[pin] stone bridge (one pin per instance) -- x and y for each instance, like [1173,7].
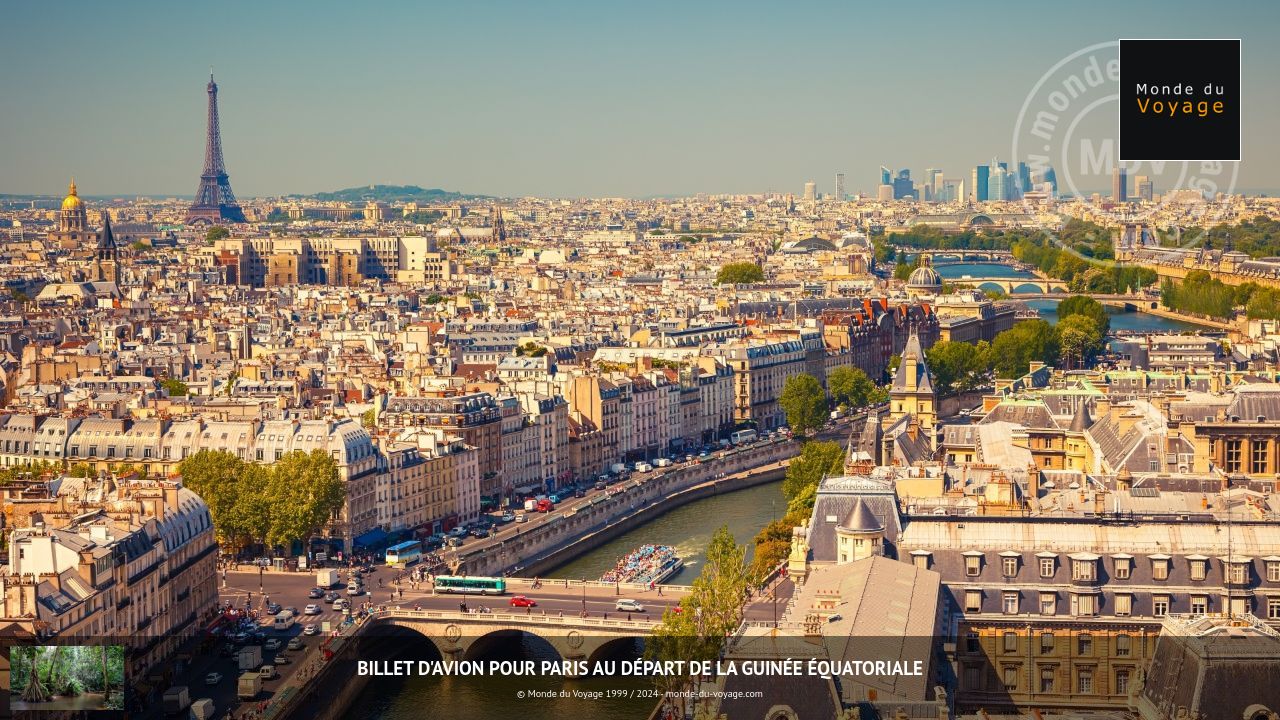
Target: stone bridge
[1014,286]
[465,636]
[940,257]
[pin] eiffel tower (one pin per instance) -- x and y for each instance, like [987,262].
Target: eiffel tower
[214,200]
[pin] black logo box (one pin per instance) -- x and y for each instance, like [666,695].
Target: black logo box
[1180,137]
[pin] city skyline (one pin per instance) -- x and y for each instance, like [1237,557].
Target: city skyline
[566,101]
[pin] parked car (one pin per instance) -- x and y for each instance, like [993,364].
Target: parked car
[508,517]
[522,601]
[628,605]
[213,678]
[520,518]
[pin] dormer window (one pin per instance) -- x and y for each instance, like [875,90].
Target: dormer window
[1199,566]
[1084,567]
[1160,567]
[1009,564]
[972,563]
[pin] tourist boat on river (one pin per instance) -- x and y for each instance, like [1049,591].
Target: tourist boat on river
[646,564]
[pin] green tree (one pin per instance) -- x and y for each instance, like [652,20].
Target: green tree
[175,387]
[815,461]
[369,419]
[804,402]
[215,233]
[958,365]
[710,613]
[223,481]
[851,387]
[1080,339]
[742,273]
[434,299]
[1015,348]
[1088,307]
[304,492]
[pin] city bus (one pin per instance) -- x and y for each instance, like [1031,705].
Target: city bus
[471,585]
[743,436]
[406,553]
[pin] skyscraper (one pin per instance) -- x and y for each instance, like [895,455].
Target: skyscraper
[1143,188]
[1119,185]
[1051,177]
[998,184]
[839,186]
[886,177]
[902,185]
[810,191]
[1024,178]
[981,178]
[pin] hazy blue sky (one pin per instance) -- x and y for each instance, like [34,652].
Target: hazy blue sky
[558,98]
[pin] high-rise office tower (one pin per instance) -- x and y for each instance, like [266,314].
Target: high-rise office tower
[980,181]
[839,186]
[1119,185]
[1051,177]
[810,191]
[938,183]
[998,184]
[1024,178]
[1143,188]
[886,177]
[902,185]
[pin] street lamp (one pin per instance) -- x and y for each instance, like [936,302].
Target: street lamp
[584,597]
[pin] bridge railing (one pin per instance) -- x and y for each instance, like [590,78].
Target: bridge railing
[513,618]
[513,582]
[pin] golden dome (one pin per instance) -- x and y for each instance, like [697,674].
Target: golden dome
[72,201]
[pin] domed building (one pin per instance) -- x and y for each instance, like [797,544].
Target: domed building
[924,280]
[73,223]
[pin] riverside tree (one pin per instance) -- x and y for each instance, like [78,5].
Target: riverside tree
[274,504]
[804,402]
[708,615]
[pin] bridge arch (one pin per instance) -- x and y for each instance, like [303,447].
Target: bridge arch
[509,642]
[623,648]
[1026,287]
[992,285]
[388,641]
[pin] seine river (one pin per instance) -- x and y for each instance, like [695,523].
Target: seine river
[688,528]
[1121,319]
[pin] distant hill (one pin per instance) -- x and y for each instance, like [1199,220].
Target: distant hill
[393,193]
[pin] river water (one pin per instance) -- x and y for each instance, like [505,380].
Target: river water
[688,528]
[1123,320]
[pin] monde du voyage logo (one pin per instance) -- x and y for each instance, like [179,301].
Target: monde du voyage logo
[1180,100]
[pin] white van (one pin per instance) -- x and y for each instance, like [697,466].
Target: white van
[284,620]
[354,588]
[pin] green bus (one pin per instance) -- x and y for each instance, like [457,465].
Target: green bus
[471,585]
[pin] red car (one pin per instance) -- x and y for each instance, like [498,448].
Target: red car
[522,601]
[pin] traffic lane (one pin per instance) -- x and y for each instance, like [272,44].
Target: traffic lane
[596,606]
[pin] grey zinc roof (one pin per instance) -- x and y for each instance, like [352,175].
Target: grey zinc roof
[836,498]
[861,519]
[900,379]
